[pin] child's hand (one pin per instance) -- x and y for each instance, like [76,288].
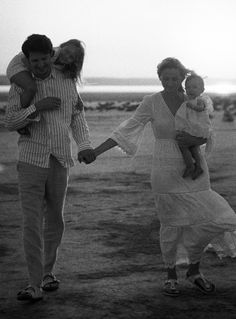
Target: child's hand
[200,105]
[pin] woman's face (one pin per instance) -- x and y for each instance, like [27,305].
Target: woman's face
[171,79]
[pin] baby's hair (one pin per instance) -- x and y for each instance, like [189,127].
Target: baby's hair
[74,69]
[195,76]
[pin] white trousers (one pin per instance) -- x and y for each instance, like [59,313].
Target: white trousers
[42,194]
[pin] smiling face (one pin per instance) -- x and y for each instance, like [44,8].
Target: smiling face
[40,64]
[171,80]
[68,54]
[194,87]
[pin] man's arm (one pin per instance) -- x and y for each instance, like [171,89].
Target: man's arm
[17,117]
[80,133]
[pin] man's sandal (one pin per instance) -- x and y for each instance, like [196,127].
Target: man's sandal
[50,282]
[203,284]
[170,288]
[32,293]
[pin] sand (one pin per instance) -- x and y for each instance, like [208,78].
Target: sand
[109,262]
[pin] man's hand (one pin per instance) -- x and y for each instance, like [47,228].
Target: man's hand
[186,140]
[87,156]
[47,104]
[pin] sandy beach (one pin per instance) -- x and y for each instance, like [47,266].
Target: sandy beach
[109,262]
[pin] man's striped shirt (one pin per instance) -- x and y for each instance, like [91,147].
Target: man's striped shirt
[50,132]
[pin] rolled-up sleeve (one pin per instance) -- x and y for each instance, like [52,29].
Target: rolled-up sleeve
[17,117]
[80,130]
[129,133]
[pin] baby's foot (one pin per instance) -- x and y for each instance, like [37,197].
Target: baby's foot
[189,170]
[197,172]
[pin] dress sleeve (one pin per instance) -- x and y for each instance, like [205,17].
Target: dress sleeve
[17,64]
[129,133]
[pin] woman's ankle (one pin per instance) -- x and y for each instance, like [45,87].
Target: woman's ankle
[193,269]
[171,273]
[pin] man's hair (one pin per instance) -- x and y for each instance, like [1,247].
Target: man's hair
[37,43]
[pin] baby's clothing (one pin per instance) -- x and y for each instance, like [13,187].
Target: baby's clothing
[193,122]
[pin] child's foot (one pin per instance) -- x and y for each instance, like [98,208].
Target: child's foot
[197,172]
[189,170]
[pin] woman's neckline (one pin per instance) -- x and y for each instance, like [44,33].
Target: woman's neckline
[166,105]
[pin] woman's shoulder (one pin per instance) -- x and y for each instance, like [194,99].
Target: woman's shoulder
[153,96]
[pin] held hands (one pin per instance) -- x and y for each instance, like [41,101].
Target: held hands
[47,104]
[186,140]
[87,156]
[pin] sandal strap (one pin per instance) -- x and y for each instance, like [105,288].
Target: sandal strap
[208,286]
[172,283]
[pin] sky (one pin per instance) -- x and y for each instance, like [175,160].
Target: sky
[128,38]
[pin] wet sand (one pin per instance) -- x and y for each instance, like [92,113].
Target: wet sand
[109,262]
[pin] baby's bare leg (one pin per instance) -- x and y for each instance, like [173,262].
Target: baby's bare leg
[196,155]
[26,82]
[188,159]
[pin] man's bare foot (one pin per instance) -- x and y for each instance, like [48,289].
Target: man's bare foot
[197,172]
[189,170]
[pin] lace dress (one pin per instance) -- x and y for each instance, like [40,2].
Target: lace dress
[190,212]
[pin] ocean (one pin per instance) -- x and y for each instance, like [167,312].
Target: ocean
[218,88]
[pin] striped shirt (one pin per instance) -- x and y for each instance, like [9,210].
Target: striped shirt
[50,131]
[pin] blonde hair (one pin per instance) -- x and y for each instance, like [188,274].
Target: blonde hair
[74,69]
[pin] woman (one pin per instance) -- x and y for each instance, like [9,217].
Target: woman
[190,213]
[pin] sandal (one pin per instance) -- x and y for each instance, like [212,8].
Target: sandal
[50,282]
[170,288]
[203,284]
[33,293]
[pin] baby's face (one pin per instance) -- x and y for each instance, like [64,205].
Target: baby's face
[68,54]
[193,88]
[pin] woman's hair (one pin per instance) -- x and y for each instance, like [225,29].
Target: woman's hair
[195,76]
[74,69]
[173,63]
[37,43]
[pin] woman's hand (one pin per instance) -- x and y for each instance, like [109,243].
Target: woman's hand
[186,140]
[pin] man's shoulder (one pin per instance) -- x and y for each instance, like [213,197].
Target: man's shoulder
[56,73]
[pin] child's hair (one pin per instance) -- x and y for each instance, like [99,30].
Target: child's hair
[195,76]
[172,63]
[74,69]
[37,43]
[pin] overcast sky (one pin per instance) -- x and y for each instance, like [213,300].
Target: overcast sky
[128,38]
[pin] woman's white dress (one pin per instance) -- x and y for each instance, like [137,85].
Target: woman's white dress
[190,212]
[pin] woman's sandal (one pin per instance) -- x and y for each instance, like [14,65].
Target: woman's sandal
[32,293]
[50,282]
[170,288]
[203,284]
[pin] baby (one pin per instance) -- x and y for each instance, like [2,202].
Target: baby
[68,58]
[193,118]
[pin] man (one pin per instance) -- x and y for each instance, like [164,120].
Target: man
[44,160]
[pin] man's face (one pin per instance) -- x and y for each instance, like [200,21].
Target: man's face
[40,64]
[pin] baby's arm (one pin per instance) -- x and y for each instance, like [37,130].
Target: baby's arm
[197,105]
[18,73]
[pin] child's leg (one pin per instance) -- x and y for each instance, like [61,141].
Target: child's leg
[26,82]
[188,159]
[196,155]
